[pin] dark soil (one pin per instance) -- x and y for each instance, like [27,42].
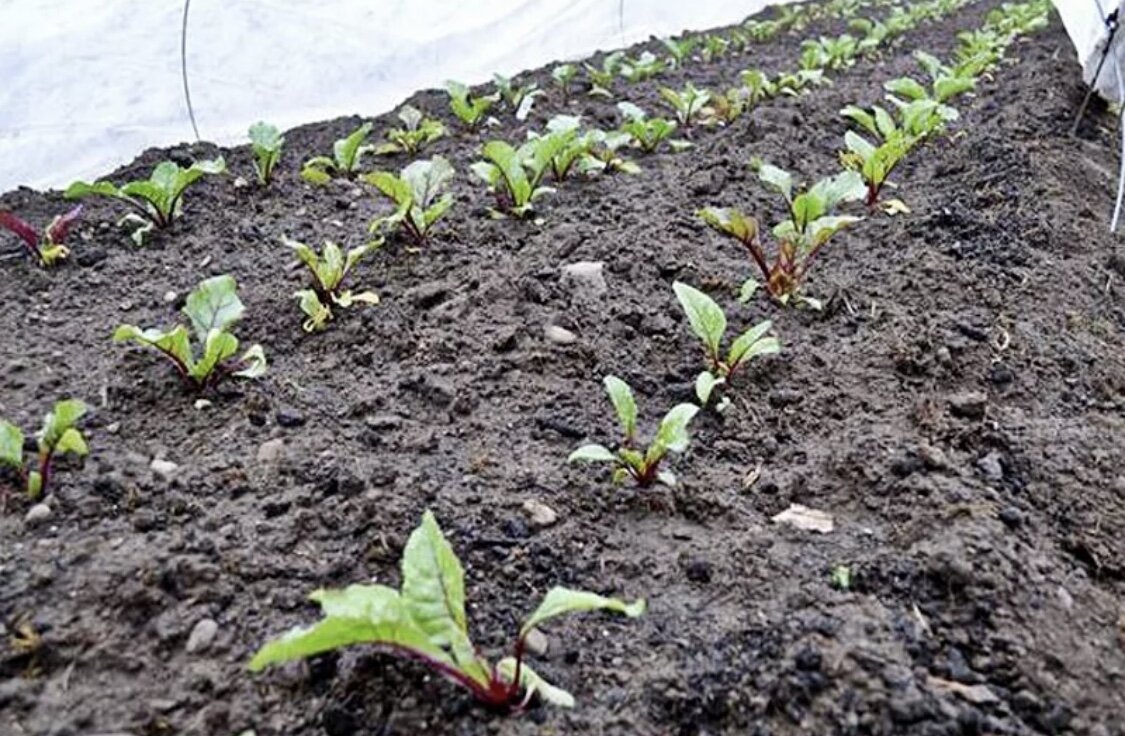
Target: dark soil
[959,406]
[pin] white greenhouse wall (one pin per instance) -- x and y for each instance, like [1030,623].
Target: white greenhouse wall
[89,84]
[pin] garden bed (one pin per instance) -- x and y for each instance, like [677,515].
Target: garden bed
[958,406]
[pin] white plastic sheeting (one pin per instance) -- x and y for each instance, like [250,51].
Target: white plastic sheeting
[1085,22]
[89,84]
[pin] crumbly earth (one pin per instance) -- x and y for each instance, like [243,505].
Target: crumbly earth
[958,407]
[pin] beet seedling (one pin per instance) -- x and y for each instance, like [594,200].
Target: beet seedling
[425,621]
[564,75]
[419,196]
[328,270]
[417,131]
[758,85]
[604,156]
[265,143]
[212,308]
[680,48]
[518,98]
[709,323]
[469,110]
[648,133]
[59,436]
[601,78]
[642,467]
[714,47]
[47,247]
[645,66]
[347,157]
[514,176]
[800,237]
[157,201]
[687,104]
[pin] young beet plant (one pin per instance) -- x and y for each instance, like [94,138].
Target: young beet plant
[48,247]
[709,323]
[419,196]
[425,621]
[601,78]
[157,201]
[328,270]
[417,131]
[347,156]
[564,76]
[629,462]
[212,309]
[687,104]
[800,237]
[59,436]
[648,133]
[515,176]
[645,66]
[265,143]
[518,98]
[469,110]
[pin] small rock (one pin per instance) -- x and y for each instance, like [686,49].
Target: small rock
[170,297]
[271,451]
[975,694]
[990,466]
[807,519]
[240,182]
[559,335]
[166,469]
[968,404]
[1066,600]
[698,570]
[536,643]
[933,457]
[782,397]
[287,416]
[37,514]
[205,262]
[383,421]
[540,514]
[201,636]
[585,276]
[1011,516]
[91,256]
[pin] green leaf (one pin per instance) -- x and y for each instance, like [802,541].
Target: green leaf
[80,189]
[255,361]
[906,87]
[532,684]
[218,346]
[705,316]
[592,454]
[58,427]
[705,384]
[560,601]
[358,614]
[11,445]
[266,137]
[34,484]
[213,305]
[747,290]
[731,222]
[859,145]
[623,403]
[175,342]
[433,591]
[751,343]
[349,151]
[672,434]
[427,179]
[317,311]
[780,180]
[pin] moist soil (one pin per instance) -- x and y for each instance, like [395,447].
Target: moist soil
[958,406]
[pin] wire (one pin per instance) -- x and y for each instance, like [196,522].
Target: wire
[183,70]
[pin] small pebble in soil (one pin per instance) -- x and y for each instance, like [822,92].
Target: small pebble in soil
[37,514]
[166,469]
[91,257]
[202,634]
[1011,516]
[170,297]
[990,467]
[537,643]
[271,451]
[585,277]
[698,569]
[289,417]
[968,404]
[540,514]
[782,397]
[559,335]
